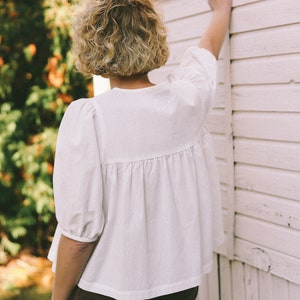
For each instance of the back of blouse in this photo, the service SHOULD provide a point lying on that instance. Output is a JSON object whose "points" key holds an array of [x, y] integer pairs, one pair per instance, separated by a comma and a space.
{"points": [[135, 170]]}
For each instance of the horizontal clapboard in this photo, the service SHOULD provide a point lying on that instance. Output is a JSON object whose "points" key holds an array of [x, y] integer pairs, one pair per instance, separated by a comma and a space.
{"points": [[273, 262], [273, 154], [268, 235], [269, 181], [177, 9], [267, 125], [273, 209], [266, 42], [278, 69], [269, 98], [265, 14]]}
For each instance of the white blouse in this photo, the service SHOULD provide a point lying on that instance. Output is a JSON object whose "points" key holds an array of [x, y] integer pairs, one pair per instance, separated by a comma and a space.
{"points": [[135, 170]]}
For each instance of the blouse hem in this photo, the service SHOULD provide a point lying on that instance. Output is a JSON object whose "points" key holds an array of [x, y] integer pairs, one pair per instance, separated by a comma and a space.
{"points": [[145, 294]]}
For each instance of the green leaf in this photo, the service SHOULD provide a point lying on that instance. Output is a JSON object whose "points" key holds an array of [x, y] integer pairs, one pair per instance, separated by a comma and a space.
{"points": [[11, 247], [17, 232]]}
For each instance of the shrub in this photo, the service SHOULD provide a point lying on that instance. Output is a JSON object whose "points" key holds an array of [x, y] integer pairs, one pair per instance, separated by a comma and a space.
{"points": [[37, 83]]}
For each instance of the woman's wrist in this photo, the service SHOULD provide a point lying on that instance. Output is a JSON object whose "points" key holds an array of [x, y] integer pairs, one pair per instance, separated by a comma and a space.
{"points": [[224, 7]]}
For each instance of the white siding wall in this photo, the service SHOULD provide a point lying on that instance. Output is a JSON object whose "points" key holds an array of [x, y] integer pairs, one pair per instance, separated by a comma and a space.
{"points": [[259, 100], [265, 74]]}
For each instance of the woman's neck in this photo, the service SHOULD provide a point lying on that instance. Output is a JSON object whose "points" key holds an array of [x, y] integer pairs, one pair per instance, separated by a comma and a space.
{"points": [[132, 82]]}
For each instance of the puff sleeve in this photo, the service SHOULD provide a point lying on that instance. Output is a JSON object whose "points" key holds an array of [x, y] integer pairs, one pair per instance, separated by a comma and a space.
{"points": [[77, 178], [198, 67]]}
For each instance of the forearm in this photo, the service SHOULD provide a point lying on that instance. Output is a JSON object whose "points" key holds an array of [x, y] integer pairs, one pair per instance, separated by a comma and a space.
{"points": [[215, 33], [72, 258]]}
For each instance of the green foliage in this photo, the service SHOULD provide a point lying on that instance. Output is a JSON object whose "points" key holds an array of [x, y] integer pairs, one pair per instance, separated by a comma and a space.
{"points": [[37, 83]]}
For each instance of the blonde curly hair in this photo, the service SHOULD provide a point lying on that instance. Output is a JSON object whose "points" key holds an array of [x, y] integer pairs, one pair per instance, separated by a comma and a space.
{"points": [[118, 38]]}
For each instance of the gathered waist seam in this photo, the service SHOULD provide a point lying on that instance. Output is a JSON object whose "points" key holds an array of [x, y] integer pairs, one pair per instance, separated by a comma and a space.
{"points": [[163, 155]]}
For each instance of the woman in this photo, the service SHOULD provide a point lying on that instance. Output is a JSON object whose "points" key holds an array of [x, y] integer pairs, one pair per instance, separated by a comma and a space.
{"points": [[135, 182]]}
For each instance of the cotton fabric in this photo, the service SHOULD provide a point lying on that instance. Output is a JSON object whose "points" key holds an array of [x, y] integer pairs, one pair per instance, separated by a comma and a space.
{"points": [[135, 171]]}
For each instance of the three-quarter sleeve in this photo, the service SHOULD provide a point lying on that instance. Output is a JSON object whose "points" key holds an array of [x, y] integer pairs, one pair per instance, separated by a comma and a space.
{"points": [[77, 178]]}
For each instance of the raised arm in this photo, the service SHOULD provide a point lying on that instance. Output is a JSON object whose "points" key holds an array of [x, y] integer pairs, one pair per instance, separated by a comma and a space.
{"points": [[214, 35]]}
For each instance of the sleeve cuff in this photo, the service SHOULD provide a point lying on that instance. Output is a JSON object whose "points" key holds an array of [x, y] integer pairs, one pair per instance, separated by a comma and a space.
{"points": [[77, 238]]}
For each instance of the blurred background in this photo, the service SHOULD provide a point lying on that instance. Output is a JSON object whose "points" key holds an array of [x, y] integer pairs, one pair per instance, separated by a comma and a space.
{"points": [[37, 83]]}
